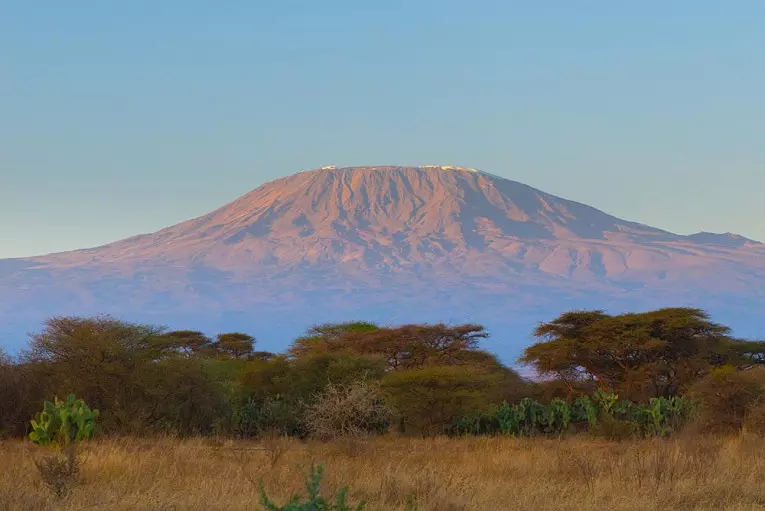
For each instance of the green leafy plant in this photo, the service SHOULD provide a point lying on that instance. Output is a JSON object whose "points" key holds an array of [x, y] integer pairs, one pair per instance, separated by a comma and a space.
{"points": [[63, 422], [585, 410], [606, 400], [61, 425], [314, 500]]}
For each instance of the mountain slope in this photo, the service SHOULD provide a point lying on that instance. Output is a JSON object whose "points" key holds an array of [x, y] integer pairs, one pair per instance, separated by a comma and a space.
{"points": [[449, 242]]}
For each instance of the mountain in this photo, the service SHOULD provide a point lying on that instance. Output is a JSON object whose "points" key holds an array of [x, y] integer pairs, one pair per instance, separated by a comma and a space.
{"points": [[390, 244]]}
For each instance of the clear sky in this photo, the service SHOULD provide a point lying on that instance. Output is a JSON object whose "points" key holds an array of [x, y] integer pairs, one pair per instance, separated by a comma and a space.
{"points": [[118, 118]]}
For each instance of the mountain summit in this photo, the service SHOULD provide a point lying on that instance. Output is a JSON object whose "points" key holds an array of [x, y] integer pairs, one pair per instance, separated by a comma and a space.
{"points": [[383, 242]]}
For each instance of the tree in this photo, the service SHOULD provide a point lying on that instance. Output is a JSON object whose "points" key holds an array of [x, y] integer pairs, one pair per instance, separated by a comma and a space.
{"points": [[184, 396], [638, 355], [728, 399], [235, 344], [430, 398], [300, 379], [324, 338], [21, 392], [190, 342], [101, 359], [402, 347]]}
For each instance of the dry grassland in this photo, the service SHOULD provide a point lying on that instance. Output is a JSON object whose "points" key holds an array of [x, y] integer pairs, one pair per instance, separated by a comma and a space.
{"points": [[440, 474]]}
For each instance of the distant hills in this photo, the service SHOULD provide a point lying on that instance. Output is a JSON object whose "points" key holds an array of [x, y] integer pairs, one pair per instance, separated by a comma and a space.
{"points": [[392, 244]]}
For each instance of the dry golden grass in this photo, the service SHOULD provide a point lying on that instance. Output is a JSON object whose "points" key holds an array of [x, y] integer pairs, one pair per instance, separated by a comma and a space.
{"points": [[442, 474]]}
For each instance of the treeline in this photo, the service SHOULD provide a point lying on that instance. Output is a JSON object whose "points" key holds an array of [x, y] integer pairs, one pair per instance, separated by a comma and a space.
{"points": [[636, 373]]}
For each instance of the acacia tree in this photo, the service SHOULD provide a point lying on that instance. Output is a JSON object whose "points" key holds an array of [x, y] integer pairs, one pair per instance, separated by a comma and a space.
{"points": [[403, 347], [326, 338], [190, 342], [235, 344], [102, 359], [638, 355]]}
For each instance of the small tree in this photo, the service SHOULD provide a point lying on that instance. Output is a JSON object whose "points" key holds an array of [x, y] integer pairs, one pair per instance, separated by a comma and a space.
{"points": [[431, 398], [62, 424]]}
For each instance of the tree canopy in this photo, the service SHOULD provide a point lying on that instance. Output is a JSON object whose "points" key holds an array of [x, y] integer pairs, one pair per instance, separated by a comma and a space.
{"points": [[402, 347], [639, 355]]}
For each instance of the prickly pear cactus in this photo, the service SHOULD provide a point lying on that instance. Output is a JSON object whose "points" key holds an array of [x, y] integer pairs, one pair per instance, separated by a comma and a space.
{"points": [[63, 422]]}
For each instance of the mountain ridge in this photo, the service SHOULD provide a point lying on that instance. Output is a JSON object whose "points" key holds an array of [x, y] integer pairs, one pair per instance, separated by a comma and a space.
{"points": [[385, 241]]}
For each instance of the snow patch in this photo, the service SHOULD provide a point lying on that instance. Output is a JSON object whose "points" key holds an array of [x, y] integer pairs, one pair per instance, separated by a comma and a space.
{"points": [[449, 167]]}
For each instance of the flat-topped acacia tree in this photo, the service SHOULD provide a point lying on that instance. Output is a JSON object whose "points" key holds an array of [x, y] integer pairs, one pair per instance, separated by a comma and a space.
{"points": [[638, 355]]}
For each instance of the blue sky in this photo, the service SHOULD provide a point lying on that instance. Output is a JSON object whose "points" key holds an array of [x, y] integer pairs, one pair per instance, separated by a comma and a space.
{"points": [[125, 117]]}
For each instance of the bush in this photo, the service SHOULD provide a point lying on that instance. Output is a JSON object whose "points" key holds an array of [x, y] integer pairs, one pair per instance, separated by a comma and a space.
{"points": [[660, 417], [727, 398], [611, 428], [273, 415], [431, 398], [348, 411], [754, 420], [20, 395], [314, 501]]}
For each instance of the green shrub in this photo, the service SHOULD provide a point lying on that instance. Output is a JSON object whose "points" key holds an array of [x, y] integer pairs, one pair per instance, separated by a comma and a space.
{"points": [[276, 415], [61, 425], [660, 417], [63, 422], [314, 501]]}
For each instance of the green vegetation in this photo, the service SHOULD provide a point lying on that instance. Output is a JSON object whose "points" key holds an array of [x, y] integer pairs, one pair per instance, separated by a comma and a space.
{"points": [[61, 425], [314, 500], [63, 422], [660, 417], [646, 374]]}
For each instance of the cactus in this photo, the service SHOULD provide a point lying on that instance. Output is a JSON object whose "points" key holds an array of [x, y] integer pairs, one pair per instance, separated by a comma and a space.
{"points": [[562, 413], [623, 410], [661, 416], [63, 422], [585, 410], [607, 400], [510, 419]]}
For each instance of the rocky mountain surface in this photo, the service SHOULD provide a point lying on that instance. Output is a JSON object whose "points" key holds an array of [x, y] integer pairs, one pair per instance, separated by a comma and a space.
{"points": [[391, 244]]}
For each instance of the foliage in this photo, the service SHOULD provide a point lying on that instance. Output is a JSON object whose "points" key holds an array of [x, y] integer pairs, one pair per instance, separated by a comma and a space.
{"points": [[604, 415], [651, 354], [430, 398], [728, 397], [277, 415], [20, 393], [180, 396], [601, 373], [314, 501], [323, 338], [404, 347], [236, 344], [190, 342], [63, 422]]}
